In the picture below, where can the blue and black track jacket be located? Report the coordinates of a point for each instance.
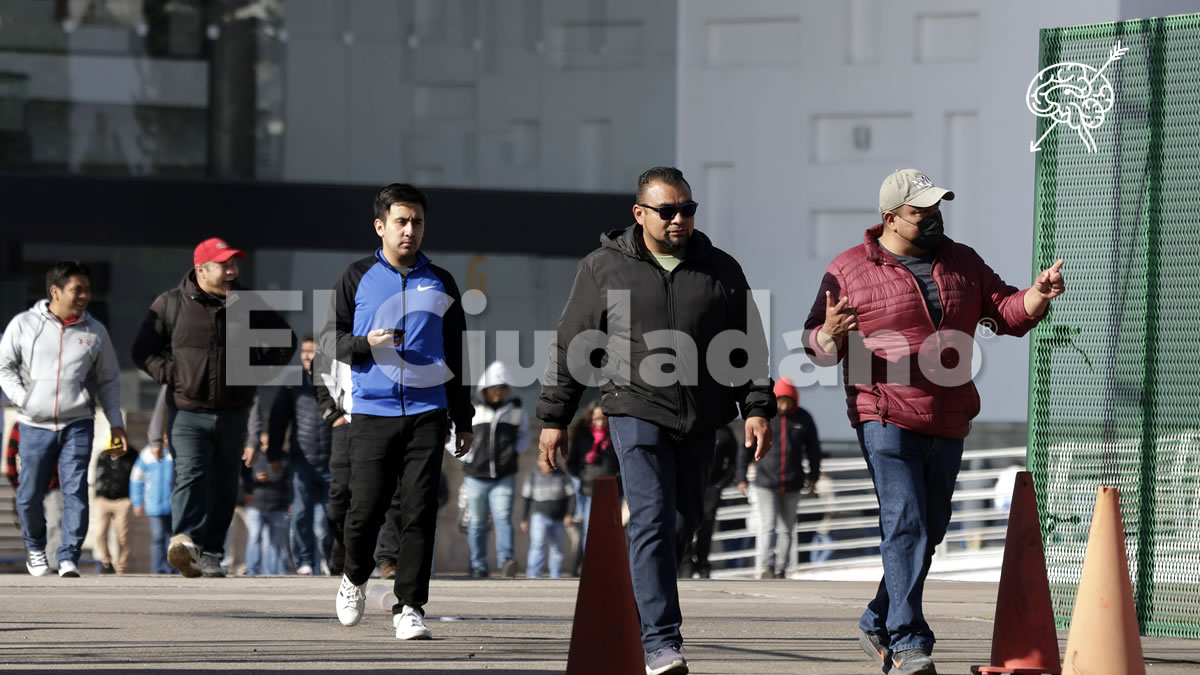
(424, 371)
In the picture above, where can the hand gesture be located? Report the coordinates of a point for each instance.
(840, 318)
(1049, 283)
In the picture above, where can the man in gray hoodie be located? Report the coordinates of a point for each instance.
(56, 363)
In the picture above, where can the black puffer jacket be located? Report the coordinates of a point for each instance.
(112, 474)
(795, 443)
(702, 297)
(191, 357)
(312, 439)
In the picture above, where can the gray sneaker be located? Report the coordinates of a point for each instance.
(666, 661)
(912, 662)
(37, 564)
(210, 565)
(876, 647)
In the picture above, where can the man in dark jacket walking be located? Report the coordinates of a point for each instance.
(900, 311)
(183, 343)
(296, 409)
(779, 479)
(674, 307)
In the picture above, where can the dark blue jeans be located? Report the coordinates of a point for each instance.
(664, 488)
(160, 538)
(208, 469)
(914, 477)
(41, 450)
(311, 539)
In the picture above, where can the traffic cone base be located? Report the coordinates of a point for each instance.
(1023, 638)
(606, 635)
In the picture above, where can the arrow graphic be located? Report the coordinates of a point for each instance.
(1117, 52)
(1034, 146)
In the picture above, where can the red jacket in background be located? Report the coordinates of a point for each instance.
(898, 368)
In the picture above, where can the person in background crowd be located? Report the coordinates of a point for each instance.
(695, 557)
(113, 507)
(549, 501)
(780, 478)
(490, 469)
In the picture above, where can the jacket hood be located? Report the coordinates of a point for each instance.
(629, 241)
(496, 374)
(42, 309)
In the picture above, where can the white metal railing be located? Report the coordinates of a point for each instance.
(845, 505)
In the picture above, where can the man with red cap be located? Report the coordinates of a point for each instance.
(182, 343)
(780, 478)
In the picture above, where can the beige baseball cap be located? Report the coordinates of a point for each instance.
(912, 187)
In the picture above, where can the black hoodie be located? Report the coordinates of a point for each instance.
(703, 296)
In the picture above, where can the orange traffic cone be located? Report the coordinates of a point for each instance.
(1104, 629)
(1023, 637)
(606, 637)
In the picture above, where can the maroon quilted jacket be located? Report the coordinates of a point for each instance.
(899, 369)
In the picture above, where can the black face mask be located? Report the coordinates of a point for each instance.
(931, 231)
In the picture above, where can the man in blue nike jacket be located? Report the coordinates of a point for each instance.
(400, 325)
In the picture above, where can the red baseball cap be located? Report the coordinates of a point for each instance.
(214, 250)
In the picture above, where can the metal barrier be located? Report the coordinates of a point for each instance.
(845, 508)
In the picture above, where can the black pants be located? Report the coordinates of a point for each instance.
(339, 504)
(395, 460)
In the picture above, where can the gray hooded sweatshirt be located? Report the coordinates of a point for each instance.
(56, 373)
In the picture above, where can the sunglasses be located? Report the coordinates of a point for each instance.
(688, 209)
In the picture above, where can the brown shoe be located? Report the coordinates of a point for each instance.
(183, 555)
(387, 570)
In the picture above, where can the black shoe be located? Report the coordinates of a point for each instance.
(107, 568)
(508, 570)
(875, 646)
(479, 574)
(912, 662)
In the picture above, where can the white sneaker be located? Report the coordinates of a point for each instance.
(350, 602)
(210, 565)
(66, 568)
(410, 625)
(304, 570)
(36, 564)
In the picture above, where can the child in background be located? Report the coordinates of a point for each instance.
(549, 509)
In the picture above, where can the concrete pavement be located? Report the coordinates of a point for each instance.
(166, 623)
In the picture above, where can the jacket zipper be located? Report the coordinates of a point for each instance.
(62, 331)
(496, 414)
(782, 453)
(674, 346)
(403, 336)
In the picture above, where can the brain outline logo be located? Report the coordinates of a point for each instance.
(1074, 94)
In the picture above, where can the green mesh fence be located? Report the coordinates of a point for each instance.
(1115, 368)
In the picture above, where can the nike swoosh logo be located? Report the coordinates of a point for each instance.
(425, 288)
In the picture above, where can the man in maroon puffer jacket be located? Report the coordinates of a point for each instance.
(900, 312)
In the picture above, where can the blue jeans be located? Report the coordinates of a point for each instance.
(311, 539)
(41, 450)
(208, 469)
(495, 495)
(914, 477)
(664, 488)
(542, 530)
(160, 539)
(266, 541)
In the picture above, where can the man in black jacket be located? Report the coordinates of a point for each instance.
(682, 348)
(183, 343)
(296, 408)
